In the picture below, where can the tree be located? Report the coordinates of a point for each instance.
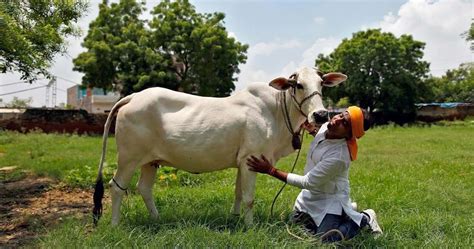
(19, 103)
(456, 85)
(470, 35)
(200, 43)
(33, 32)
(384, 72)
(180, 50)
(118, 56)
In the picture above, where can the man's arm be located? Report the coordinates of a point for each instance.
(263, 166)
(319, 175)
(316, 177)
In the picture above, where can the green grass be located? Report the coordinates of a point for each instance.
(420, 180)
(70, 158)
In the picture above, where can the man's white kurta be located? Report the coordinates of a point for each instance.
(325, 183)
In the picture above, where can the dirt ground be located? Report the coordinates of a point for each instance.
(31, 205)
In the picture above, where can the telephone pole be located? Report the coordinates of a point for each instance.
(51, 87)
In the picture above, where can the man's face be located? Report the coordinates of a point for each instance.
(340, 125)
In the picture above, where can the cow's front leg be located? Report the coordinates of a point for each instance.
(247, 181)
(238, 194)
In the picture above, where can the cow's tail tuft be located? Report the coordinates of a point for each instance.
(98, 195)
(99, 184)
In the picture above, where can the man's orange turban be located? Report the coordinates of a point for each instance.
(357, 125)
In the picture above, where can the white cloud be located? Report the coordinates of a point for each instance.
(437, 23)
(289, 68)
(267, 48)
(319, 20)
(250, 75)
(389, 18)
(320, 46)
(252, 72)
(232, 34)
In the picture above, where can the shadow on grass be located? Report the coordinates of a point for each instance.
(217, 222)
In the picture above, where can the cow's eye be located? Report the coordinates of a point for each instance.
(299, 86)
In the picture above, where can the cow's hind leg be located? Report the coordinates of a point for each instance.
(118, 187)
(238, 194)
(145, 187)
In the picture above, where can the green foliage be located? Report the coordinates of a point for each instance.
(470, 35)
(180, 50)
(118, 55)
(33, 32)
(19, 103)
(343, 102)
(200, 43)
(385, 72)
(81, 176)
(167, 176)
(456, 85)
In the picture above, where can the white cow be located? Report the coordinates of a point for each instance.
(203, 134)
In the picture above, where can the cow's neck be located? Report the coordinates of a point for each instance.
(291, 113)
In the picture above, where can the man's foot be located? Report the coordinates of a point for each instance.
(373, 224)
(332, 235)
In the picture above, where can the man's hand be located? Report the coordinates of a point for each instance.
(261, 165)
(311, 128)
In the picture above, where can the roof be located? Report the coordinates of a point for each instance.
(444, 105)
(12, 110)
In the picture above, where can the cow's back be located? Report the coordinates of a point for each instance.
(197, 134)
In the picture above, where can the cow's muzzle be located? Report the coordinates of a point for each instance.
(321, 117)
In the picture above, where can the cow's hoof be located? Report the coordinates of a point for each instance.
(248, 222)
(235, 212)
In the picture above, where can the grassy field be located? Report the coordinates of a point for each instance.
(420, 180)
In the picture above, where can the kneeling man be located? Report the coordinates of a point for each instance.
(323, 206)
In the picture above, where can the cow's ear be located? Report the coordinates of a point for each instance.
(280, 83)
(333, 79)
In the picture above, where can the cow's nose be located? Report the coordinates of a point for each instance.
(321, 116)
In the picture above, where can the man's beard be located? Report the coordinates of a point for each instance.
(330, 125)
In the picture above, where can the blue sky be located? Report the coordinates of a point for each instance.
(286, 35)
(256, 21)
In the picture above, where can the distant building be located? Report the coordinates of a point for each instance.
(92, 100)
(431, 112)
(10, 113)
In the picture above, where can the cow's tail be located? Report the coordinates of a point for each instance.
(99, 184)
